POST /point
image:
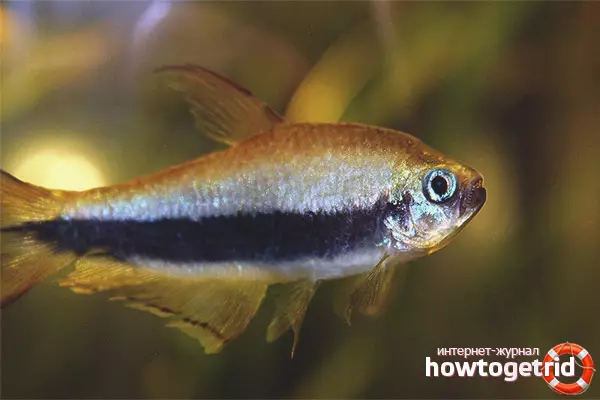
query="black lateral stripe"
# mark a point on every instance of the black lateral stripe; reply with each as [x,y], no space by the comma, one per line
[261,238]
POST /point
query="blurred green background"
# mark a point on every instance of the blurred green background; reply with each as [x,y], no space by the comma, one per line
[511,88]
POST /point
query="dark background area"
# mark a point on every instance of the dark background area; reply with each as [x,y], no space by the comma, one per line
[510,88]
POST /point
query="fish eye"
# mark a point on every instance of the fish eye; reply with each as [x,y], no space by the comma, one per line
[439,185]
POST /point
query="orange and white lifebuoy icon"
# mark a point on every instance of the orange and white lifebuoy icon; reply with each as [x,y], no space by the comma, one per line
[587,364]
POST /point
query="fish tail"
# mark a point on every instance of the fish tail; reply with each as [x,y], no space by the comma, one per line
[25,259]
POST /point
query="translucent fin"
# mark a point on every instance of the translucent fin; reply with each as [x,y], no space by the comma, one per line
[225,111]
[22,202]
[212,310]
[290,310]
[25,260]
[370,293]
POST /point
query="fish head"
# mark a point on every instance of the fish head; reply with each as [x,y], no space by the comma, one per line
[430,205]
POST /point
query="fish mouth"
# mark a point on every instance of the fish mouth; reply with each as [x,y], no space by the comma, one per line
[474,197]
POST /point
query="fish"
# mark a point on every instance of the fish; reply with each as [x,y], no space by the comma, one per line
[284,204]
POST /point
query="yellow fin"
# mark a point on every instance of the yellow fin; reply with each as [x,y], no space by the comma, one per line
[23,202]
[290,310]
[225,111]
[212,310]
[25,259]
[370,293]
[26,262]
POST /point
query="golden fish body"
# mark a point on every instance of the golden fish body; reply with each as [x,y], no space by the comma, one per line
[290,203]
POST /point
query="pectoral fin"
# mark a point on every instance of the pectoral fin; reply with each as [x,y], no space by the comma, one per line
[370,293]
[212,310]
[225,111]
[290,310]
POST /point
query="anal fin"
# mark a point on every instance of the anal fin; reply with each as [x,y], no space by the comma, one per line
[290,310]
[212,310]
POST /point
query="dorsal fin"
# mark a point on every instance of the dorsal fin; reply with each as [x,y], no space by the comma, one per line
[369,293]
[223,110]
[212,310]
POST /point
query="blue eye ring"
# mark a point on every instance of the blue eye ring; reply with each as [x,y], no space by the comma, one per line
[439,185]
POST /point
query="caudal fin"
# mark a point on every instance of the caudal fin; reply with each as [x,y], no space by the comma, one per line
[26,260]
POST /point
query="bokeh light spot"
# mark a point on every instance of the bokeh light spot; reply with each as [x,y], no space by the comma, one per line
[59,169]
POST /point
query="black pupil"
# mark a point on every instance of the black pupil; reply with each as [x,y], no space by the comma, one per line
[439,185]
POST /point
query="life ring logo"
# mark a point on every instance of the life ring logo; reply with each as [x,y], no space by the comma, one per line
[552,362]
